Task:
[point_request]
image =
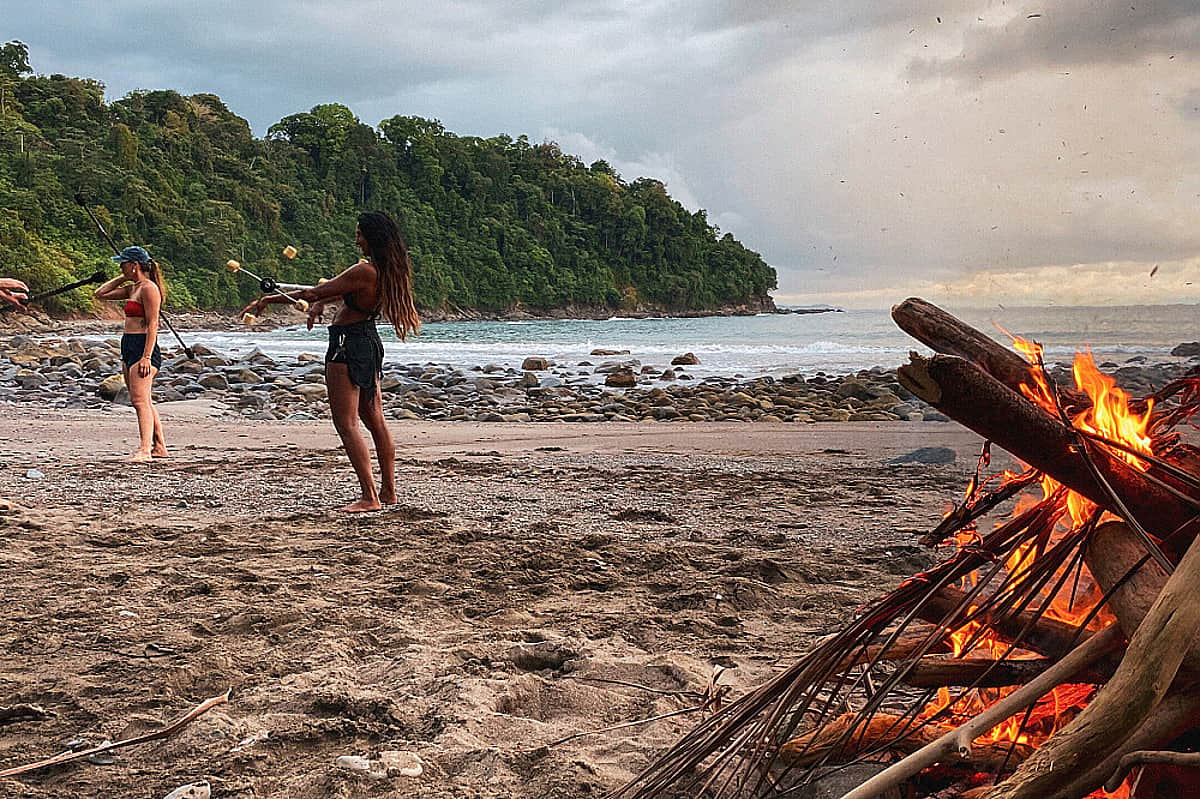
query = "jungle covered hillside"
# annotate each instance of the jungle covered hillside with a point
(493, 224)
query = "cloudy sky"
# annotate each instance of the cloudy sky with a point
(972, 152)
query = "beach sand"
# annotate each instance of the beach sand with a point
(535, 581)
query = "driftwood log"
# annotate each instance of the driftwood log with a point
(1117, 560)
(944, 333)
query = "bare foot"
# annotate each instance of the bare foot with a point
(362, 506)
(388, 497)
(159, 452)
(140, 456)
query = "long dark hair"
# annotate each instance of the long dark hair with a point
(389, 253)
(154, 271)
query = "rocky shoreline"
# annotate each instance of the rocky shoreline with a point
(79, 373)
(36, 322)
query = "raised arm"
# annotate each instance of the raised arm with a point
(115, 289)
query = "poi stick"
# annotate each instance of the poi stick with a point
(97, 277)
(268, 285)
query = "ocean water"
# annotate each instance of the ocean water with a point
(750, 346)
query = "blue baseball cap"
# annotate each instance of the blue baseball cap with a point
(136, 254)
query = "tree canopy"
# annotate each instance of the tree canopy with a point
(492, 223)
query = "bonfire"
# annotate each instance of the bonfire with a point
(1053, 653)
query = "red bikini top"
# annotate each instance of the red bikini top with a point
(134, 308)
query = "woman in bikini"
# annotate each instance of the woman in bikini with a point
(141, 285)
(379, 284)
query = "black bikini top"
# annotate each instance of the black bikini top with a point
(348, 301)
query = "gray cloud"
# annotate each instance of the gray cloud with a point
(852, 144)
(1072, 33)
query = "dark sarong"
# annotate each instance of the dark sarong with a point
(359, 347)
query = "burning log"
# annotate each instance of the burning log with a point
(1130, 580)
(940, 672)
(1126, 701)
(945, 334)
(890, 732)
(973, 398)
(959, 740)
(1027, 630)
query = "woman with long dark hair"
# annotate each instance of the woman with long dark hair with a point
(142, 287)
(379, 284)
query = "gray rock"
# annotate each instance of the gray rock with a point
(312, 392)
(244, 376)
(30, 379)
(927, 455)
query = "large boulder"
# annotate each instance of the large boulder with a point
(110, 387)
(535, 364)
(621, 378)
(687, 359)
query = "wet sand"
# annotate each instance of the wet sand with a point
(535, 581)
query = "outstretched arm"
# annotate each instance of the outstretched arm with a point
(361, 275)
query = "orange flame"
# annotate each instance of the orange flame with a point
(1111, 417)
